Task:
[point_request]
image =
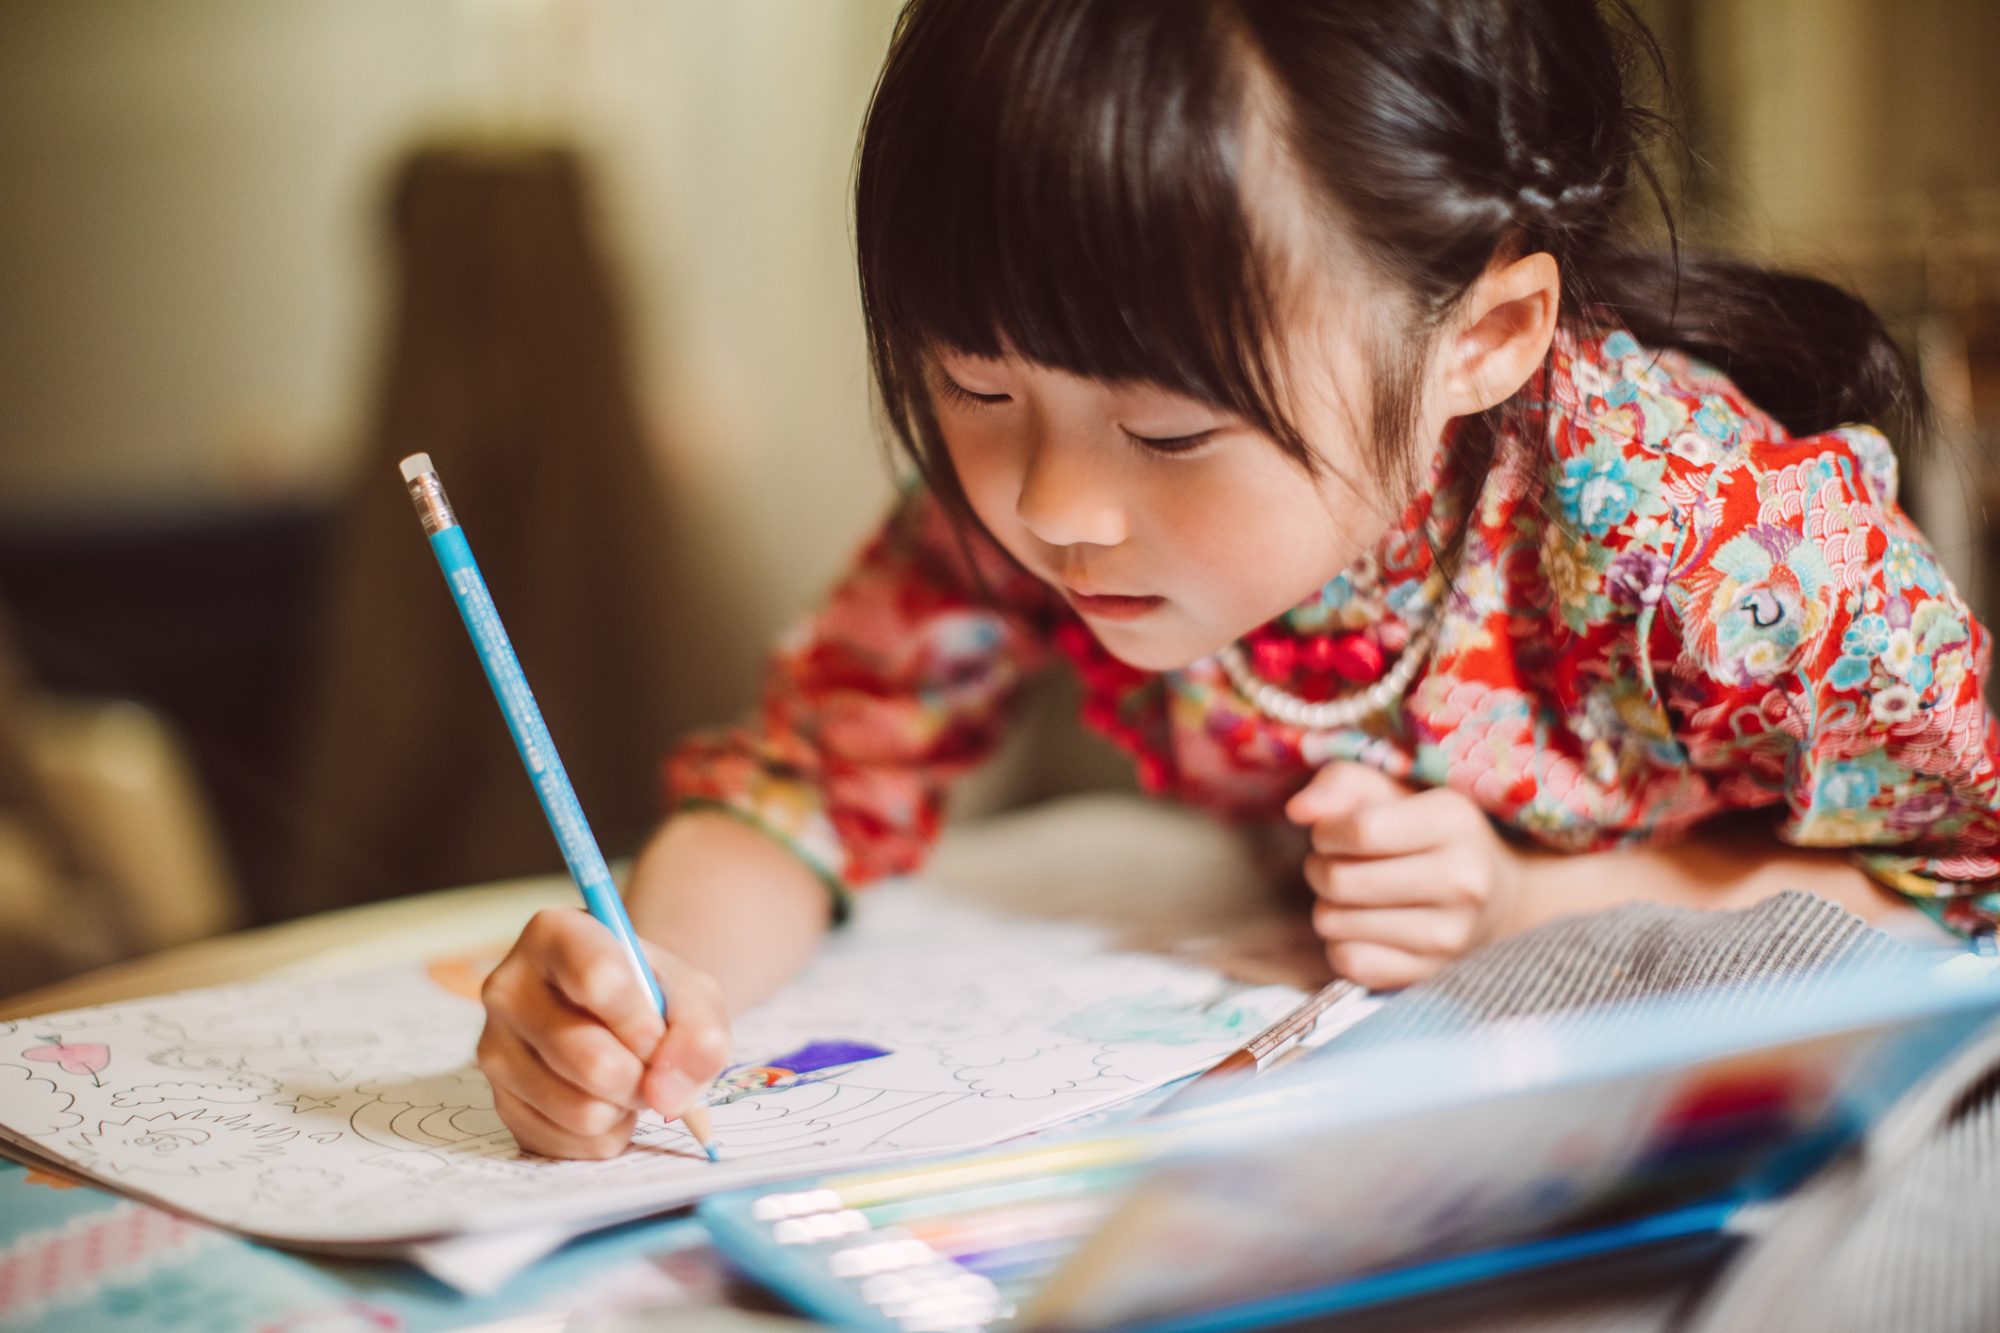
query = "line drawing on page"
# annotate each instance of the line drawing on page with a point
(347, 1110)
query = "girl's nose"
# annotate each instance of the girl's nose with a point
(1065, 501)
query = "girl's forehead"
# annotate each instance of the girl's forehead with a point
(1316, 361)
(1305, 289)
(1008, 361)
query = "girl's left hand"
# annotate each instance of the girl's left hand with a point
(1407, 879)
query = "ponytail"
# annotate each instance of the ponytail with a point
(1812, 355)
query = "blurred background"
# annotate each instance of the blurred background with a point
(594, 255)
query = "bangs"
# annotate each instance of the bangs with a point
(1063, 181)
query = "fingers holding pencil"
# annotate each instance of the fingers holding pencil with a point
(575, 1049)
(694, 1049)
(580, 976)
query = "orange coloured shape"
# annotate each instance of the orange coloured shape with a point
(462, 974)
(50, 1180)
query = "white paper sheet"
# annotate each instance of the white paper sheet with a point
(346, 1112)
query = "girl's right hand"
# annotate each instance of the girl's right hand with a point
(574, 1048)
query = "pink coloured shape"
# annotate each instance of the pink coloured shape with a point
(346, 1315)
(83, 1057)
(114, 1247)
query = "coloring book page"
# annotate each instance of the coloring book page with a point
(346, 1112)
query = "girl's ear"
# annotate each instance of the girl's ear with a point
(1501, 335)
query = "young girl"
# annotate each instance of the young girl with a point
(1278, 366)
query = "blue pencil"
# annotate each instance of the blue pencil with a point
(531, 736)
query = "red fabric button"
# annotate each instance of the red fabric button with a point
(1275, 659)
(1357, 658)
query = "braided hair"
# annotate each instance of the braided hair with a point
(1453, 130)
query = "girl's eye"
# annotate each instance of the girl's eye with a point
(1174, 444)
(958, 393)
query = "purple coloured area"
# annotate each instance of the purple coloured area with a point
(817, 1055)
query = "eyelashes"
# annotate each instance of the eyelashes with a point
(954, 392)
(1176, 444)
(963, 396)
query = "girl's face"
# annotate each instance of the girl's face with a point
(1172, 527)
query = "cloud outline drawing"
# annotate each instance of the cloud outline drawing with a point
(57, 1111)
(214, 1094)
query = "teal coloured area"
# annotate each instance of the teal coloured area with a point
(80, 1258)
(1164, 1018)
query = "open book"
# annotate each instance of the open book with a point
(345, 1114)
(1364, 1175)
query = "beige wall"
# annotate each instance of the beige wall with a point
(1836, 130)
(191, 274)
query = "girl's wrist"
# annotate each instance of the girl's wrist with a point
(738, 903)
(1535, 886)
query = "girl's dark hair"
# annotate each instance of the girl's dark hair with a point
(1066, 178)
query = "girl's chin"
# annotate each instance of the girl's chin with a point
(1153, 648)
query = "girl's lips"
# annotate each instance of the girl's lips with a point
(1114, 607)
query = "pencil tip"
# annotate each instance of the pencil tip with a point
(713, 1155)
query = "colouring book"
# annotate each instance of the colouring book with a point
(346, 1113)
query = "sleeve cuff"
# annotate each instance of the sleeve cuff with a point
(1971, 911)
(840, 895)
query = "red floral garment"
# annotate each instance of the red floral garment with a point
(1666, 608)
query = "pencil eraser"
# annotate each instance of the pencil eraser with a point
(416, 465)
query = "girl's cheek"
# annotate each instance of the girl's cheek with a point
(1230, 505)
(1269, 527)
(988, 474)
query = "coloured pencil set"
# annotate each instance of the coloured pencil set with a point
(1349, 1178)
(964, 1245)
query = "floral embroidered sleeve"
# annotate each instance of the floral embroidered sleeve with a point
(898, 684)
(1824, 659)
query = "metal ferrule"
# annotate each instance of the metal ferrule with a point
(428, 494)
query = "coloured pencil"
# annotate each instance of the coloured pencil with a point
(531, 738)
(1261, 1049)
